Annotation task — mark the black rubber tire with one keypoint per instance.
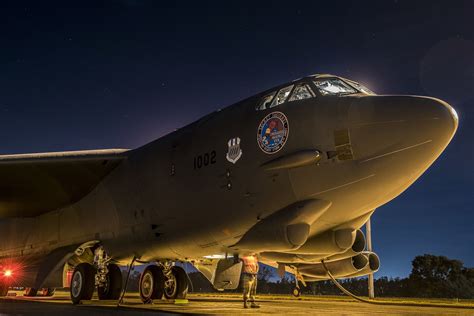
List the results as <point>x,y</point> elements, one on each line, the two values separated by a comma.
<point>3,289</point>
<point>114,284</point>
<point>296,292</point>
<point>153,291</point>
<point>181,284</point>
<point>85,289</point>
<point>30,292</point>
<point>49,291</point>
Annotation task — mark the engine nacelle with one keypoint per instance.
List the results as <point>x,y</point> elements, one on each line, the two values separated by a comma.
<point>329,242</point>
<point>357,247</point>
<point>284,230</point>
<point>337,268</point>
<point>314,249</point>
<point>372,267</point>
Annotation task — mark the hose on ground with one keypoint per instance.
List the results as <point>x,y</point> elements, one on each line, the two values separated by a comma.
<point>343,289</point>
<point>126,280</point>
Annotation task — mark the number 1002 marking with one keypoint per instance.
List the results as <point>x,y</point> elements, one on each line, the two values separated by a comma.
<point>205,160</point>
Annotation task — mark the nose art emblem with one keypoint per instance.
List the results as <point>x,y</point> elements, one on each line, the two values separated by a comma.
<point>234,152</point>
<point>272,132</point>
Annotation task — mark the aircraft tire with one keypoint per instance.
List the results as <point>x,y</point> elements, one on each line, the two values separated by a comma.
<point>3,289</point>
<point>178,285</point>
<point>82,283</point>
<point>151,284</point>
<point>113,289</point>
<point>296,292</point>
<point>30,292</point>
<point>48,291</point>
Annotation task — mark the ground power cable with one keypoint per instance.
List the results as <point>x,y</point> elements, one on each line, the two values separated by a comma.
<point>126,281</point>
<point>345,291</point>
<point>360,299</point>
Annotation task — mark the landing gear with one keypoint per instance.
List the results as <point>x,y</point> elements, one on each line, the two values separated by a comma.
<point>100,274</point>
<point>112,287</point>
<point>82,282</point>
<point>152,283</point>
<point>167,280</point>
<point>48,291</point>
<point>176,283</point>
<point>296,291</point>
<point>298,278</point>
<point>30,292</point>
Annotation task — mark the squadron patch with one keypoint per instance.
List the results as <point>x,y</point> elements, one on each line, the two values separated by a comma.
<point>234,152</point>
<point>273,132</point>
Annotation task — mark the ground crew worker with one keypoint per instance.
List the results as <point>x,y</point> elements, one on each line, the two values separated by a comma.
<point>250,271</point>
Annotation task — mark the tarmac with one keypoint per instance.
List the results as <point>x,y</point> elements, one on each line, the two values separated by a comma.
<point>216,304</point>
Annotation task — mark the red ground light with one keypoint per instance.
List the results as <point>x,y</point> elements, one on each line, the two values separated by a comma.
<point>10,273</point>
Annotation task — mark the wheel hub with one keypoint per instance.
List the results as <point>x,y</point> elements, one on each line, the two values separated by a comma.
<point>170,285</point>
<point>76,284</point>
<point>147,285</point>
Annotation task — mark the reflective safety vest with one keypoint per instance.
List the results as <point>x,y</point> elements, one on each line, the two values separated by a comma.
<point>250,264</point>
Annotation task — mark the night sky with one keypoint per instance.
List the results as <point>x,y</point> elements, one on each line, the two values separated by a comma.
<point>118,74</point>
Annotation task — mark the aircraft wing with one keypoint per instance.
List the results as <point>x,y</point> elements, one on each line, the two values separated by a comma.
<point>32,184</point>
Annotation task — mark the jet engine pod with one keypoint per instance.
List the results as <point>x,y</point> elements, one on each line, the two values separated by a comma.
<point>283,230</point>
<point>337,268</point>
<point>331,241</point>
<point>372,267</point>
<point>357,247</point>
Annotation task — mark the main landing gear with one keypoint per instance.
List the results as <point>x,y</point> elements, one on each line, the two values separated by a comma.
<point>83,283</point>
<point>161,280</point>
<point>102,274</point>
<point>157,281</point>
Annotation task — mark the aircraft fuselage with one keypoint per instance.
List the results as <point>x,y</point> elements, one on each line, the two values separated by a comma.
<point>198,190</point>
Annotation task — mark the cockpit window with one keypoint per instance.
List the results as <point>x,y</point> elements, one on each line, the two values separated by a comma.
<point>301,91</point>
<point>333,86</point>
<point>281,96</point>
<point>265,102</point>
<point>361,87</point>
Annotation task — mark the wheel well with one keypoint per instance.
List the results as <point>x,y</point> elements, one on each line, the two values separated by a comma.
<point>83,254</point>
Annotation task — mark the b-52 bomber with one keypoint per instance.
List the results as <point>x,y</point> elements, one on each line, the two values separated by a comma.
<point>290,174</point>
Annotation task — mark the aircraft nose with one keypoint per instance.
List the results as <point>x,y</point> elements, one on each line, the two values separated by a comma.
<point>415,128</point>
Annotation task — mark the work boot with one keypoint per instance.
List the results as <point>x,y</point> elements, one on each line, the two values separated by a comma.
<point>245,304</point>
<point>254,305</point>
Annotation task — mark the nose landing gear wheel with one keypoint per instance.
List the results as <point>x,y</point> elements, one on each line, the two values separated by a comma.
<point>152,282</point>
<point>296,292</point>
<point>113,287</point>
<point>176,284</point>
<point>82,283</point>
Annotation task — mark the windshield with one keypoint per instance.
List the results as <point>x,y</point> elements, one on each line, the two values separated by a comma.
<point>333,86</point>
<point>361,87</point>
